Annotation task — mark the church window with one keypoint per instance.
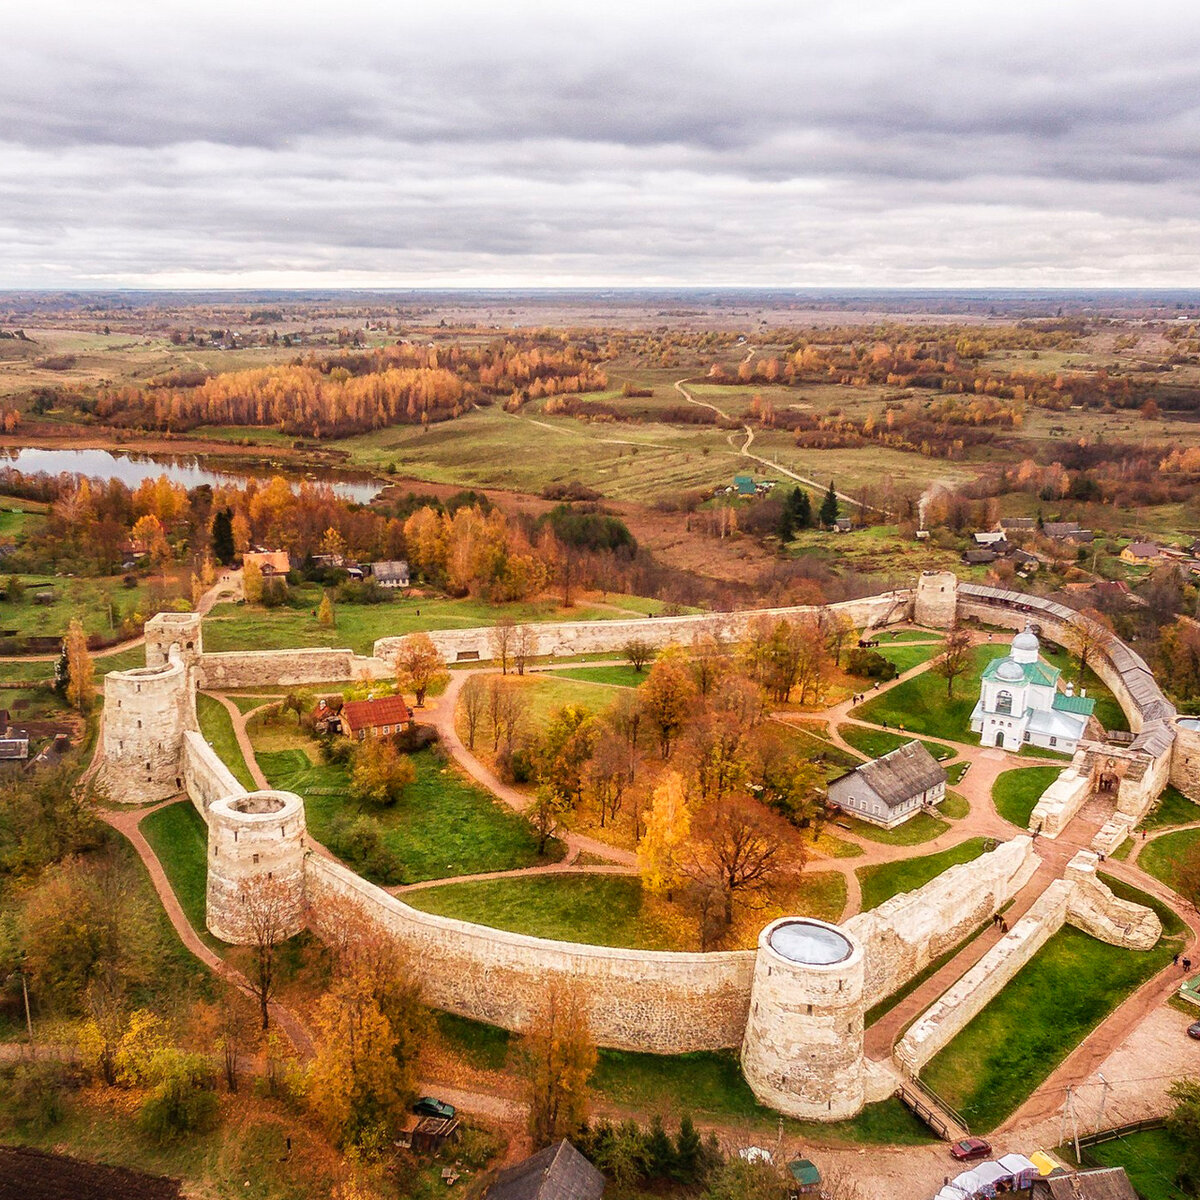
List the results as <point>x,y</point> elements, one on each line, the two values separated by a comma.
<point>1054,741</point>
<point>1004,702</point>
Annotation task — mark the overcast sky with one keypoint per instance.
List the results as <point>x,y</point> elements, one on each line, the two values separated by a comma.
<point>846,142</point>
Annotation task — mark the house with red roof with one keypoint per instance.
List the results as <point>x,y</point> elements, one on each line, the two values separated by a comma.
<point>381,717</point>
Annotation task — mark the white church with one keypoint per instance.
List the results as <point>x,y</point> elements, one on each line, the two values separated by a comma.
<point>1020,704</point>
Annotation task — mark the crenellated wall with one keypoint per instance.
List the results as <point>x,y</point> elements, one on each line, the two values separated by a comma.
<point>905,934</point>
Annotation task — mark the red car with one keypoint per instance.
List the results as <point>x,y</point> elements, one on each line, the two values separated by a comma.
<point>1194,1030</point>
<point>970,1148</point>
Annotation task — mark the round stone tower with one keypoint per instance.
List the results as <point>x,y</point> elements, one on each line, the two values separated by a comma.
<point>255,866</point>
<point>146,711</point>
<point>1185,756</point>
<point>937,599</point>
<point>803,1048</point>
<point>168,630</point>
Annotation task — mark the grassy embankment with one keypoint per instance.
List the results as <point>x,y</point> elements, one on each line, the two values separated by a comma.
<point>885,880</point>
<point>1016,792</point>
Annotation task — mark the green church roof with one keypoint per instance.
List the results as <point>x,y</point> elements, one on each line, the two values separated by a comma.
<point>1083,705</point>
<point>1035,672</point>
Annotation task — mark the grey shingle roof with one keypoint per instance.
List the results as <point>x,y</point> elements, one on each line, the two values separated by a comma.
<point>1109,1183</point>
<point>559,1172</point>
<point>903,773</point>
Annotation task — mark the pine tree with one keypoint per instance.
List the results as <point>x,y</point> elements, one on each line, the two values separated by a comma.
<point>660,1154</point>
<point>222,537</point>
<point>801,508</point>
<point>688,1153</point>
<point>829,508</point>
<point>786,528</point>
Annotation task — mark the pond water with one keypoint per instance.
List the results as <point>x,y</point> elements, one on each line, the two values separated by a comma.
<point>188,469</point>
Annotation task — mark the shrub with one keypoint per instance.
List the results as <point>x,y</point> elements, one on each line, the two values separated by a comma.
<point>359,842</point>
<point>416,737</point>
<point>35,1093</point>
<point>182,1101</point>
<point>870,664</point>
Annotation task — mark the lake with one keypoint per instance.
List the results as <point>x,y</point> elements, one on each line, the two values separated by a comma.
<point>188,469</point>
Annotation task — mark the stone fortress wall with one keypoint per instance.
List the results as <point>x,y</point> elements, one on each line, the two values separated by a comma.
<point>637,1000</point>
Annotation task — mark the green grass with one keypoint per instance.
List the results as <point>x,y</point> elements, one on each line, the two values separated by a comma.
<point>1151,1159</point>
<point>832,760</point>
<point>600,910</point>
<point>914,831</point>
<point>887,640</point>
<point>1047,1009</point>
<point>956,771</point>
<point>920,706</point>
<point>1108,712</point>
<point>87,598</point>
<point>954,806</point>
<point>178,836</point>
<point>907,657</point>
<point>547,693</point>
<point>1016,792</point>
<point>251,627</point>
<point>874,743</point>
<point>1173,808</point>
<point>443,825</point>
<point>885,880</point>
<point>1165,856</point>
<point>624,676</point>
<point>217,727</point>
<point>245,704</point>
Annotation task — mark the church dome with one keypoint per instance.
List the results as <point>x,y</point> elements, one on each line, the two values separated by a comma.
<point>1010,671</point>
<point>1025,646</point>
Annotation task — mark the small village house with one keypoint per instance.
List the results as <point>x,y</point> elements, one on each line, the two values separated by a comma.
<point>559,1172</point>
<point>270,562</point>
<point>1140,553</point>
<point>889,790</point>
<point>381,717</point>
<point>390,574</point>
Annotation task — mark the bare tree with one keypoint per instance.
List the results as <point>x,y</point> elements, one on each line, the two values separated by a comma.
<point>514,710</point>
<point>502,639</point>
<point>955,658</point>
<point>266,909</point>
<point>474,702</point>
<point>638,653</point>
<point>1091,632</point>
<point>495,706</point>
<point>625,718</point>
<point>525,648</point>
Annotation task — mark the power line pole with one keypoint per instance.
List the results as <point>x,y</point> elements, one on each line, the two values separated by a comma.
<point>1103,1098</point>
<point>1074,1124</point>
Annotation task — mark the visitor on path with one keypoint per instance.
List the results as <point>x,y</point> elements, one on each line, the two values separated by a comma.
<point>1187,965</point>
<point>1175,961</point>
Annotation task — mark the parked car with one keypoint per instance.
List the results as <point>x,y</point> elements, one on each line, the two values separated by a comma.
<point>1194,1030</point>
<point>427,1106</point>
<point>970,1148</point>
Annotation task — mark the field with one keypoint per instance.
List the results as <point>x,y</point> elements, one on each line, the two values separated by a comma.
<point>1166,856</point>
<point>179,838</point>
<point>357,626</point>
<point>1068,987</point>
<point>1016,792</point>
<point>614,676</point>
<point>882,882</point>
<point>875,743</point>
<point>601,910</point>
<point>1173,808</point>
<point>442,826</point>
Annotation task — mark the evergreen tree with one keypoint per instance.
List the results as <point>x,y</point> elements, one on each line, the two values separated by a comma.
<point>660,1154</point>
<point>786,529</point>
<point>688,1153</point>
<point>829,508</point>
<point>222,537</point>
<point>800,507</point>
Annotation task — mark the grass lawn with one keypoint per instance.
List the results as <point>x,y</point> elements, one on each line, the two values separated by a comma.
<point>832,760</point>
<point>443,825</point>
<point>954,806</point>
<point>1068,987</point>
<point>178,835</point>
<point>907,657</point>
<point>251,627</point>
<point>622,676</point>
<point>876,742</point>
<point>956,771</point>
<point>547,693</point>
<point>1172,808</point>
<point>885,880</point>
<point>1150,1158</point>
<point>217,727</point>
<point>920,706</point>
<point>906,635</point>
<point>1164,857</point>
<point>1108,712</point>
<point>914,831</point>
<point>1016,792</point>
<point>600,910</point>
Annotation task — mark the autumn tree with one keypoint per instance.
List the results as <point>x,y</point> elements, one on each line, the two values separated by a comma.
<point>419,666</point>
<point>252,582</point>
<point>666,699</point>
<point>372,1024</point>
<point>265,908</point>
<point>325,617</point>
<point>473,700</point>
<point>955,658</point>
<point>81,687</point>
<point>558,1056</point>
<point>525,648</point>
<point>1089,632</point>
<point>638,652</point>
<point>501,639</point>
<point>741,847</point>
<point>661,851</point>
<point>380,773</point>
<point>838,629</point>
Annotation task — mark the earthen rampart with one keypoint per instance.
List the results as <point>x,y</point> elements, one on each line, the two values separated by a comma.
<point>570,638</point>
